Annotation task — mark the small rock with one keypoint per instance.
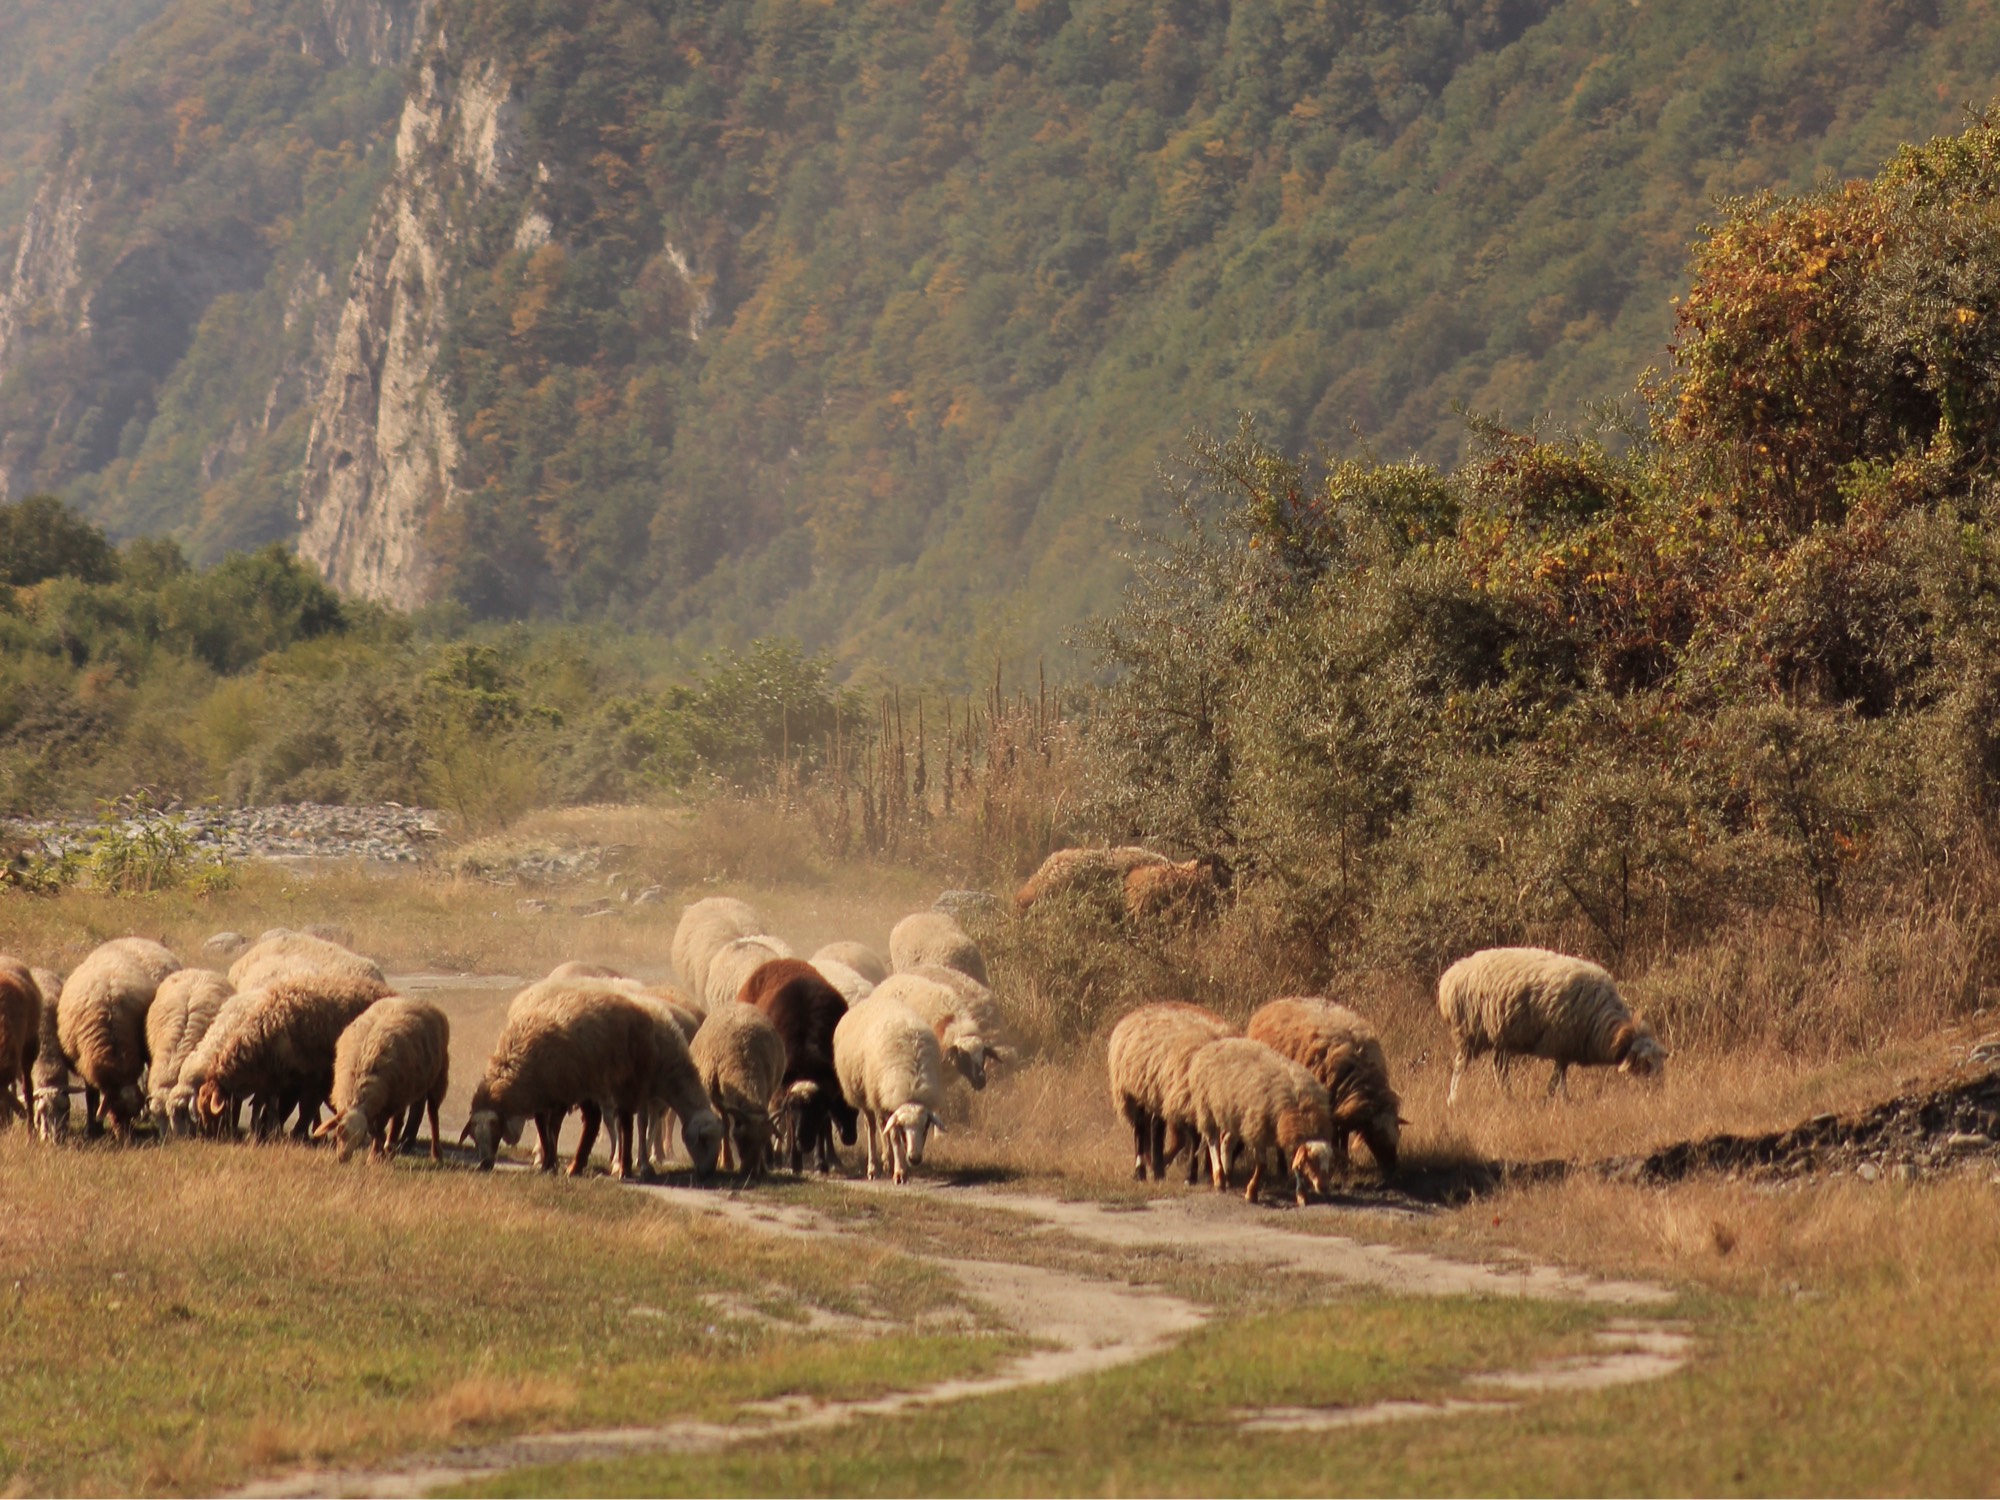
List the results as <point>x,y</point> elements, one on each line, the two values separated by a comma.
<point>1966,1140</point>
<point>652,895</point>
<point>1868,1171</point>
<point>531,908</point>
<point>225,944</point>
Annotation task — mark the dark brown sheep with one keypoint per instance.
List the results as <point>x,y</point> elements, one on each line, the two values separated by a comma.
<point>805,1009</point>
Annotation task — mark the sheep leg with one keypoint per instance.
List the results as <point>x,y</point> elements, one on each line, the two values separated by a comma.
<point>93,1118</point>
<point>873,1130</point>
<point>593,1117</point>
<point>548,1125</point>
<point>1458,1064</point>
<point>1195,1152</point>
<point>1256,1177</point>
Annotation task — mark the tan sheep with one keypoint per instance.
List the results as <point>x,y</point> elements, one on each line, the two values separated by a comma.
<point>892,1072</point>
<point>1097,872</point>
<point>280,1052</point>
<point>703,931</point>
<point>393,1058</point>
<point>20,1039</point>
<point>933,937</point>
<point>675,1089</point>
<point>101,1026</point>
<point>1341,1050</point>
<point>859,957</point>
<point>566,1044</point>
<point>962,1012</point>
<point>184,1008</point>
<point>1248,1097</point>
<point>731,967</point>
<point>182,1115</point>
<point>283,955</point>
<point>1530,1002</point>
<point>52,1069</point>
<point>1147,1061</point>
<point>1179,893</point>
<point>741,1060</point>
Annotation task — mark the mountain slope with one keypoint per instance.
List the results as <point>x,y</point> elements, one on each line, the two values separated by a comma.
<point>862,322</point>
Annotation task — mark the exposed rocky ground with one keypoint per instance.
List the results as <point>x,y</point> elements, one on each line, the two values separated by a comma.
<point>303,830</point>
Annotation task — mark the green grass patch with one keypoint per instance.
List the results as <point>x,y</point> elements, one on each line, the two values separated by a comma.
<point>178,1318</point>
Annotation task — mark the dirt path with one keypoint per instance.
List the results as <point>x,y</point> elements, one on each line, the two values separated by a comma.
<point>1082,1324</point>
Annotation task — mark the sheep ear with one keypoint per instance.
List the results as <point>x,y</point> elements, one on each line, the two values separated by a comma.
<point>465,1135</point>
<point>327,1128</point>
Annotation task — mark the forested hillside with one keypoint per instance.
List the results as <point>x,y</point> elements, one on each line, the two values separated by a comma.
<point>861,323</point>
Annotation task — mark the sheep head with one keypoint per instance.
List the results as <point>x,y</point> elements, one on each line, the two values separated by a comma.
<point>970,1060</point>
<point>904,1133</point>
<point>484,1129</point>
<point>1637,1051</point>
<point>1312,1162</point>
<point>701,1133</point>
<point>51,1114</point>
<point>211,1107</point>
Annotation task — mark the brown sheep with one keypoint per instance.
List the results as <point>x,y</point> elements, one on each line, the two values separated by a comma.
<point>20,1038</point>
<point>1147,1061</point>
<point>52,1070</point>
<point>281,1052</point>
<point>1341,1050</point>
<point>1075,871</point>
<point>741,1060</point>
<point>806,1010</point>
<point>335,970</point>
<point>1248,1096</point>
<point>184,1008</point>
<point>1186,892</point>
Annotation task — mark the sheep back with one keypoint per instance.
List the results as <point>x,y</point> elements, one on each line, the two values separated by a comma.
<point>283,955</point>
<point>859,957</point>
<point>394,1056</point>
<point>735,962</point>
<point>1069,872</point>
<point>704,928</point>
<point>886,1056</point>
<point>183,1009</point>
<point>1339,1048</point>
<point>934,937</point>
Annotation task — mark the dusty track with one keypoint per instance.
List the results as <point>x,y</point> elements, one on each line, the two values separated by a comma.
<point>1084,1323</point>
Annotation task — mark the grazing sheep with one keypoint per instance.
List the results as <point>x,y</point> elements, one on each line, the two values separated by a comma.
<point>1074,871</point>
<point>735,962</point>
<point>931,937</point>
<point>52,1069</point>
<point>1147,1060</point>
<point>101,1027</point>
<point>1248,1096</point>
<point>1184,892</point>
<point>184,1008</point>
<point>961,1010</point>
<point>282,955</point>
<point>859,957</point>
<point>392,1058</point>
<point>806,1010</point>
<point>20,1038</point>
<point>741,1059</point>
<point>576,968</point>
<point>566,1044</point>
<point>182,1116</point>
<point>705,928</point>
<point>686,1015</point>
<point>673,1088</point>
<point>854,986</point>
<point>891,1071</point>
<point>280,1052</point>
<point>1530,1002</point>
<point>1341,1050</point>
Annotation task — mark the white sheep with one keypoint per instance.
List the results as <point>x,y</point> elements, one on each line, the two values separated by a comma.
<point>194,1070</point>
<point>183,1009</point>
<point>1530,1002</point>
<point>741,1059</point>
<point>1147,1060</point>
<point>1339,1048</point>
<point>934,937</point>
<point>960,1010</point>
<point>393,1058</point>
<point>703,930</point>
<point>891,1071</point>
<point>1250,1097</point>
<point>735,962</point>
<point>854,986</point>
<point>858,957</point>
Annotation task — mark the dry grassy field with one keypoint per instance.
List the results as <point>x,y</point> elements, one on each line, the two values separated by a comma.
<point>194,1317</point>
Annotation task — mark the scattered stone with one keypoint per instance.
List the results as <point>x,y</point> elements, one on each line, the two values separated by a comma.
<point>225,944</point>
<point>1868,1171</point>
<point>652,895</point>
<point>529,907</point>
<point>1968,1140</point>
<point>388,833</point>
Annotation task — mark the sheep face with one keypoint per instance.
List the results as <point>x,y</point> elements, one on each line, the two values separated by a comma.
<point>1312,1163</point>
<point>701,1133</point>
<point>485,1130</point>
<point>970,1060</point>
<point>904,1134</point>
<point>51,1114</point>
<point>1638,1051</point>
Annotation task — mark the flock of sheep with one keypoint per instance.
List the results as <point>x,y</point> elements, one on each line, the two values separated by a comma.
<point>761,1054</point>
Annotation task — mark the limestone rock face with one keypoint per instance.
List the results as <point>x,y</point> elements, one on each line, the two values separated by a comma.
<point>384,447</point>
